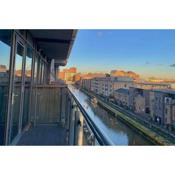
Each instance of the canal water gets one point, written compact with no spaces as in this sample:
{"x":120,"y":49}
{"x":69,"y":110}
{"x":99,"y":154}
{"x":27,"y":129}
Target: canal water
{"x":118,"y":132}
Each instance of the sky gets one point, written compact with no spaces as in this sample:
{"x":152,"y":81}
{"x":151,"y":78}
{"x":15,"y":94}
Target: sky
{"x":146,"y":52}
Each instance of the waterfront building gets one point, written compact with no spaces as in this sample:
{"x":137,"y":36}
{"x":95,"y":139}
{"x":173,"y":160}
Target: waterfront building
{"x":86,"y":84}
{"x":139,"y":103}
{"x":162,"y":106}
{"x":139,"y":100}
{"x":106,"y":86}
{"x":121,"y":97}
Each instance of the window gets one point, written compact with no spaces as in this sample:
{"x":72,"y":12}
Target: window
{"x":18,"y":69}
{"x":5,"y":48}
{"x":35,"y":69}
{"x":28,"y":65}
{"x":28,"y":78}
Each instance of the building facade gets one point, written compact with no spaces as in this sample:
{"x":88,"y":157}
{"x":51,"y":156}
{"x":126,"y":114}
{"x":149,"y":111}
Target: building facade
{"x":139,"y":100}
{"x":67,"y":74}
{"x":106,"y":86}
{"x":121,"y":97}
{"x":86,"y":84}
{"x":162,"y":105}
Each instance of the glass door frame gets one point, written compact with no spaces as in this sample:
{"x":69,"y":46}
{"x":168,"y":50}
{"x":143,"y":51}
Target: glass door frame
{"x":20,"y":41}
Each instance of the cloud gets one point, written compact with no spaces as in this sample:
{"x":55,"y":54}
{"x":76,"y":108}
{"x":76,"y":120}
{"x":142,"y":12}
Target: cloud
{"x":172,"y":65}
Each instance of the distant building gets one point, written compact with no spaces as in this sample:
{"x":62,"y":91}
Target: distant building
{"x":3,"y":68}
{"x":121,"y":97}
{"x":77,"y":77}
{"x":151,"y":85}
{"x":72,"y":70}
{"x":139,"y":100}
{"x":86,"y":83}
{"x":106,"y":86}
{"x":4,"y":77}
{"x":67,"y":74}
{"x":139,"y":105}
{"x":163,"y":106}
{"x":62,"y":75}
{"x":121,"y":73}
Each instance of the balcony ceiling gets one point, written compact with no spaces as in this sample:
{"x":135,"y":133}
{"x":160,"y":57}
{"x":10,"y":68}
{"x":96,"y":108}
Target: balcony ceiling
{"x":55,"y":44}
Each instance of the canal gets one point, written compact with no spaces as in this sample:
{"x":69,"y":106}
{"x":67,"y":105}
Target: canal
{"x":118,"y":132}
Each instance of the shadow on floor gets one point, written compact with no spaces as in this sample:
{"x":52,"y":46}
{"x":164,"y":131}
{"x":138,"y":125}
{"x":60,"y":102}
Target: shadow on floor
{"x":44,"y":135}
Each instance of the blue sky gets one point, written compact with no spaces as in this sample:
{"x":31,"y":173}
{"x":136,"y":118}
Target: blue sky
{"x":147,"y":52}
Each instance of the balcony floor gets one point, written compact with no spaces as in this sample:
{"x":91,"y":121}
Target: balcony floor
{"x":44,"y":135}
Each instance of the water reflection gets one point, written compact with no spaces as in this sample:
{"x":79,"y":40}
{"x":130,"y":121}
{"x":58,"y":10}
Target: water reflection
{"x":117,"y":131}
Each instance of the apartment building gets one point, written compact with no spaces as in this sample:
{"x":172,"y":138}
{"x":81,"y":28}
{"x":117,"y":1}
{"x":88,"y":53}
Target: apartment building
{"x":107,"y":85}
{"x":139,"y":100}
{"x":162,"y":106}
{"x":86,"y":83}
{"x":67,"y":74}
{"x":121,"y":97}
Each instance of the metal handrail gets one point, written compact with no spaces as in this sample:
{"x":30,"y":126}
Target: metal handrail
{"x":101,"y":138}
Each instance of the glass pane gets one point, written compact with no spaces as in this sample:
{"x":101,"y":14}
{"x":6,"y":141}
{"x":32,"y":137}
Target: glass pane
{"x":28,"y":68}
{"x":17,"y":90}
{"x":42,"y":72}
{"x":39,"y":71}
{"x":5,"y":41}
{"x":36,"y":69}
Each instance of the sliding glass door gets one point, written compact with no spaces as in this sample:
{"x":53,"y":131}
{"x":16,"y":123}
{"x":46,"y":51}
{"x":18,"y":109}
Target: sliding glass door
{"x":17,"y":88}
{"x":27,"y":84}
{"x":5,"y":49}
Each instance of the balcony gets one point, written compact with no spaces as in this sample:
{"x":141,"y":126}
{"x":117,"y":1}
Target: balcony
{"x":57,"y":118}
{"x":35,"y":107}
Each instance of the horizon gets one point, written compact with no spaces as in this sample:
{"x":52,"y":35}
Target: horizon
{"x":149,"y":53}
{"x":100,"y":72}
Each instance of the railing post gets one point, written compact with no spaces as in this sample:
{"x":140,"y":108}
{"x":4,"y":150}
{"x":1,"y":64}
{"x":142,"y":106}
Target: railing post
{"x":72,"y":124}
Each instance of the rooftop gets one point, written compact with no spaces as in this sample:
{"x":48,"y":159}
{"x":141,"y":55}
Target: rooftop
{"x":167,"y":91}
{"x":122,"y":90}
{"x":151,"y":83}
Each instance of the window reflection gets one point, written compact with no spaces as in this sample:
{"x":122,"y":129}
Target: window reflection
{"x":39,"y":71}
{"x":36,"y":69}
{"x":28,"y":67}
{"x":5,"y":42}
{"x":17,"y":90}
{"x":18,"y":63}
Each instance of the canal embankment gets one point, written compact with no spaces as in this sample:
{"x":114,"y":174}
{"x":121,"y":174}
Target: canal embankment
{"x":153,"y":136}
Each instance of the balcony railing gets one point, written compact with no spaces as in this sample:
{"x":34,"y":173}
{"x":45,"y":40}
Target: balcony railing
{"x":92,"y":134}
{"x":54,"y":108}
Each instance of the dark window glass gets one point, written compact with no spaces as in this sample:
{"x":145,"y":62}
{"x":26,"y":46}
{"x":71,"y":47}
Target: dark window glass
{"x":42,"y":73}
{"x":39,"y":71}
{"x":5,"y":42}
{"x":17,"y":90}
{"x":28,"y":74}
{"x":36,"y":70}
{"x":28,"y":65}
